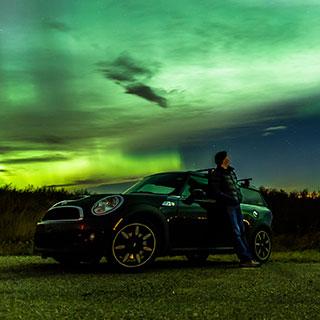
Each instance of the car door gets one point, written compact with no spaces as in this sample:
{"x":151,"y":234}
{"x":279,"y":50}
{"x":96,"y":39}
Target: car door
{"x":189,"y":227}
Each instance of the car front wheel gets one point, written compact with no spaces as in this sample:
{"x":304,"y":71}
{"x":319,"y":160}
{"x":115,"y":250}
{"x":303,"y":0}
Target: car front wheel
{"x":134,"y":245}
{"x":261,"y":245}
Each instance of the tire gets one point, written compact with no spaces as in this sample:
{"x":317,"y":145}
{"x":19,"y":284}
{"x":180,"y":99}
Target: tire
{"x":261,"y":245}
{"x":134,"y":246}
{"x":197,"y":258}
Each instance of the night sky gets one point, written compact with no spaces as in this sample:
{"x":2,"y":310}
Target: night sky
{"x":97,"y":92}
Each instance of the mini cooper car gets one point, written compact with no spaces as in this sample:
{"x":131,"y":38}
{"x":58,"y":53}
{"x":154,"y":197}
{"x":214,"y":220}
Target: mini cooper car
{"x":163,"y":214}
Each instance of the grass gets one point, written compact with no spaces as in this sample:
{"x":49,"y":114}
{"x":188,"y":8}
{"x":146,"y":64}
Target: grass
{"x":287,"y":287}
{"x":20,"y":210}
{"x":16,"y":248}
{"x":281,"y":243}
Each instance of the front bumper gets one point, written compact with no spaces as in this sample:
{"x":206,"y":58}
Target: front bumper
{"x":68,"y":237}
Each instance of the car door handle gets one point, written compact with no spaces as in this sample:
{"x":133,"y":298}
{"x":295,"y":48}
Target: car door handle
{"x":255,"y":213}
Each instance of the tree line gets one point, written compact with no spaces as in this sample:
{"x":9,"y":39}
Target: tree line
{"x":296,"y":215}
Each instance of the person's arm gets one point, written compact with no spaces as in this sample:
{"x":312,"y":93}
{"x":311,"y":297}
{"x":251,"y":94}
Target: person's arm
{"x":215,"y":190}
{"x":240,"y":196}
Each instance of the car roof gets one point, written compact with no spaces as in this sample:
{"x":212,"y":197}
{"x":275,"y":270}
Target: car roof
{"x":182,"y":173}
{"x":179,"y":172}
{"x":203,"y":173}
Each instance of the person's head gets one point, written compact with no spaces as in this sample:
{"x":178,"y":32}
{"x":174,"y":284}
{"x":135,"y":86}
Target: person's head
{"x":222,"y":160}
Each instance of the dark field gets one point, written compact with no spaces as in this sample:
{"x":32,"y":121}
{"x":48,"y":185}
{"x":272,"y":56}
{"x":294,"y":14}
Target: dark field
{"x":288,"y":287}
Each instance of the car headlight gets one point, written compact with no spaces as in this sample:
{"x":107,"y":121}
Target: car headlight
{"x":107,"y":205}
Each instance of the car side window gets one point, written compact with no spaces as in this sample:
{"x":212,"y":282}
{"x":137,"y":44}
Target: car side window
{"x":252,"y":197}
{"x":194,"y":182}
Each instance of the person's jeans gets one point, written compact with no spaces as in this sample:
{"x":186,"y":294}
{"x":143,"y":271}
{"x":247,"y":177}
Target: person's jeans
{"x":241,"y":245}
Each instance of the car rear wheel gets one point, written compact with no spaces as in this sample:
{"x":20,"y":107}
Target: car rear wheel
{"x":261,"y":245}
{"x":135,"y":245}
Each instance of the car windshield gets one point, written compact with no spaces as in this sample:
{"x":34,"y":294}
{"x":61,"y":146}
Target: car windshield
{"x":166,"y":183}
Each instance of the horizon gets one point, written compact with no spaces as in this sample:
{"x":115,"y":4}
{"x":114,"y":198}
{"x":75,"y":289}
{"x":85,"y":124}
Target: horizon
{"x":119,"y":187}
{"x":97,"y":92}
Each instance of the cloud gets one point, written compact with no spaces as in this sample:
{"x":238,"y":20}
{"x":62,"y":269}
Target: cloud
{"x":276,"y":128}
{"x":5,"y":149}
{"x":50,"y":140}
{"x":76,"y":183}
{"x":147,"y":93}
{"x":65,"y":130}
{"x":56,"y":25}
{"x":125,"y":69}
{"x":52,"y":158}
{"x":22,"y":130}
{"x":24,"y":145}
{"x":132,"y":75}
{"x":270,"y":131}
{"x":98,"y":182}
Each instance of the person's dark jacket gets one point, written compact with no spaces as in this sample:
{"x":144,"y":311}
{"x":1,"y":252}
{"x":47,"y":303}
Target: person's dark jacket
{"x":223,"y":186}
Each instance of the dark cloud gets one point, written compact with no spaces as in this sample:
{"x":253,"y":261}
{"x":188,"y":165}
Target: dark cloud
{"x":147,"y":93}
{"x":89,"y":181}
{"x":63,"y":185}
{"x":56,"y":25}
{"x":52,"y":158}
{"x":112,"y":187}
{"x":5,"y":149}
{"x":97,"y":182}
{"x":132,"y":75}
{"x":67,"y":129}
{"x":50,"y":128}
{"x":125,"y":69}
{"x":50,"y":140}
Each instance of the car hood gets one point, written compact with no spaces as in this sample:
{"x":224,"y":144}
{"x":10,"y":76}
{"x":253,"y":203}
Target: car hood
{"x":130,"y":198}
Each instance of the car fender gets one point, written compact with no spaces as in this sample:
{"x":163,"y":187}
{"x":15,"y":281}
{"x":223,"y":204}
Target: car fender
{"x":148,"y":213}
{"x":262,"y":227}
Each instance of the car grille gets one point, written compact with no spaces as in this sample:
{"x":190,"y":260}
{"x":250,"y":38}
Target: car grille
{"x":64,"y":213}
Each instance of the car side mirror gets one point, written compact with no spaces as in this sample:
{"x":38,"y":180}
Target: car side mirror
{"x":198,"y":194}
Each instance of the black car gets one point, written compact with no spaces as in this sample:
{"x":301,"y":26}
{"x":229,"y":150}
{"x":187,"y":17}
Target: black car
{"x":163,"y":214}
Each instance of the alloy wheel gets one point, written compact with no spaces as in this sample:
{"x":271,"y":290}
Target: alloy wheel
{"x":262,"y":245}
{"x":134,"y":245}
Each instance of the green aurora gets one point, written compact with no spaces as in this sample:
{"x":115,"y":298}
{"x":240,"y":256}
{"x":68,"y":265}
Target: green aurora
{"x":103,"y":91}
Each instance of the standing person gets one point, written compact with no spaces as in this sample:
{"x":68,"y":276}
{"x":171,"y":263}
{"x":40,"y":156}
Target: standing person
{"x":224,"y":188}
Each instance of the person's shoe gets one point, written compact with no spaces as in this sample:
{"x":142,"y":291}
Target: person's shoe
{"x":249,"y":264}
